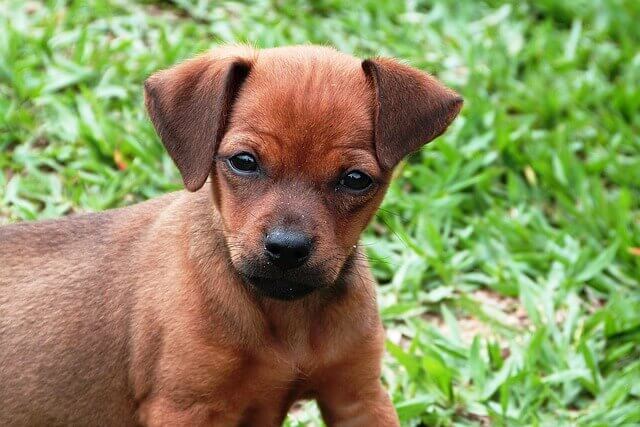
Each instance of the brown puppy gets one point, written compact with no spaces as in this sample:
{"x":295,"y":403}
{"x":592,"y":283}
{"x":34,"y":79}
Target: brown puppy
{"x":224,"y":305}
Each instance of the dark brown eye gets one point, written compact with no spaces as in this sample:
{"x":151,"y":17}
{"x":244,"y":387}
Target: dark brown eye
{"x":243,"y":164}
{"x":356,"y":181}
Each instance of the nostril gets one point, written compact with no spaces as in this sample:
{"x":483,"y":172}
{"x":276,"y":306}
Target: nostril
{"x":273,"y":248}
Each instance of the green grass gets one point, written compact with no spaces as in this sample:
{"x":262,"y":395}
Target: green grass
{"x":507,"y":250}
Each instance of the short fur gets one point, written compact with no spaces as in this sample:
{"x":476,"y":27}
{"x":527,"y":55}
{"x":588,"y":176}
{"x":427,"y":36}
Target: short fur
{"x":147,"y":315}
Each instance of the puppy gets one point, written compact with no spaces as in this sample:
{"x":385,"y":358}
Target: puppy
{"x":225,"y":304}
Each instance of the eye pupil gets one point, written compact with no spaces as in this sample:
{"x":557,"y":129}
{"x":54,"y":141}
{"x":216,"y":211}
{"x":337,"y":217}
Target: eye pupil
{"x":356,"y":180}
{"x":243,"y":162}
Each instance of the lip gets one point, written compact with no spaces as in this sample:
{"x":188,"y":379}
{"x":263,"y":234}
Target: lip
{"x":280,"y":289}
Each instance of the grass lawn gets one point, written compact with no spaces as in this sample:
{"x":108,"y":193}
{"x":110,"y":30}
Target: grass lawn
{"x":508,"y":251}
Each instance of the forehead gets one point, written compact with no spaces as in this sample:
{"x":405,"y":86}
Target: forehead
{"x":302,"y":103}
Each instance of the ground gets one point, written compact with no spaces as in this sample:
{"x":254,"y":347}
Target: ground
{"x":508,"y":251}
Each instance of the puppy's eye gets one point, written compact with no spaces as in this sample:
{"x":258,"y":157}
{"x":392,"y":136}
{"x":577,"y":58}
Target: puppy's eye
{"x":243,"y":163}
{"x":356,"y":181}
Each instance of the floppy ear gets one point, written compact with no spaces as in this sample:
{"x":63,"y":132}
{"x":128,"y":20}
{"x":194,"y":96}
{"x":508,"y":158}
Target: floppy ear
{"x":412,"y":108}
{"x":189,"y":105}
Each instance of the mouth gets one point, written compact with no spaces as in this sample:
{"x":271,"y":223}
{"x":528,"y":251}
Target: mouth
{"x":280,"y":289}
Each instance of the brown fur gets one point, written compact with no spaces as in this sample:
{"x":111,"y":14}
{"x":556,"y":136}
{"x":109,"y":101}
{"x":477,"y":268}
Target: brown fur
{"x":141,"y":315}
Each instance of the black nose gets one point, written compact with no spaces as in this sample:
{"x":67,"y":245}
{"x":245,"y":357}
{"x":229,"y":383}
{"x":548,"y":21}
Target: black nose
{"x":287,"y":248}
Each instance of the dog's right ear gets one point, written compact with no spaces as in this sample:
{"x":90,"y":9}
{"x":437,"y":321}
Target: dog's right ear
{"x":189,"y":105}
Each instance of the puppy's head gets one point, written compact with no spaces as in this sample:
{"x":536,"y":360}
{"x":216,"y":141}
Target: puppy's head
{"x":300,"y":144}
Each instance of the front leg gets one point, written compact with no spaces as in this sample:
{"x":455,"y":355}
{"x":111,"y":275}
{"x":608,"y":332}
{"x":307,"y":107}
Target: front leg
{"x":350,"y":393}
{"x":369,"y":406}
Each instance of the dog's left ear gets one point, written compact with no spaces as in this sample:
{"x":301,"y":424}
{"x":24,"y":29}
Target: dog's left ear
{"x":412,"y":108}
{"x":189,"y":105}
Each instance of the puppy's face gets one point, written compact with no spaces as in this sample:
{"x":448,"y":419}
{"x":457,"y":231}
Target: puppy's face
{"x":301,"y":162}
{"x":297,"y":174}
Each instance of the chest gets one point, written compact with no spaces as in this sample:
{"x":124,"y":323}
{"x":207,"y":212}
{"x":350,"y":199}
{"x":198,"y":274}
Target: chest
{"x":216,"y":384}
{"x":269,"y":386}
{"x":224,"y":377}
{"x":234,"y":390}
